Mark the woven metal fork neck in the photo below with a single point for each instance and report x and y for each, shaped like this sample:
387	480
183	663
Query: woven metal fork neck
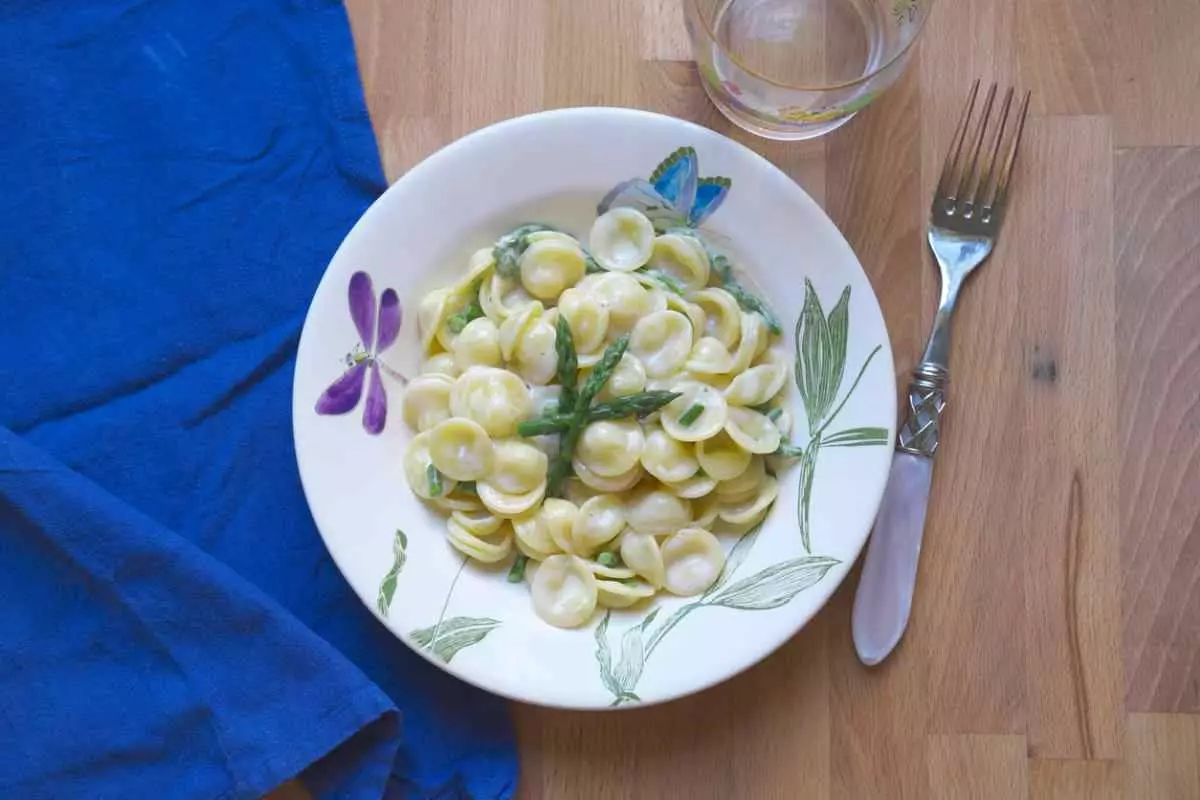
921	430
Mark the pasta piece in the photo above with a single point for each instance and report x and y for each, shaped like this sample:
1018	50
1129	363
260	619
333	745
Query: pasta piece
699	413
614	594
629	377
480	262
626	300
510	505
697	486
517	467
692	562
621	239
499	297
552	236
533	536
514	327
495	398
706	512
427	401
610	448
709	357
754	334
478	548
693	312
442	364
723	316
431	316
579	492
459	500
461	449
744	485
663	341
479	522
756	385
587	318
419	469
750	510
550	265
752	431
640	553
656	511
559	517
478	344
667	458
721	457
610	573
598	522
617	483
681	260
563	591
536	359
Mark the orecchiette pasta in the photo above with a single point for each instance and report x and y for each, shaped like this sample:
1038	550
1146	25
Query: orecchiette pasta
692	561
622	239
564	591
602	506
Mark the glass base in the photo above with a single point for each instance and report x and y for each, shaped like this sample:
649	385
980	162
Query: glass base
791	133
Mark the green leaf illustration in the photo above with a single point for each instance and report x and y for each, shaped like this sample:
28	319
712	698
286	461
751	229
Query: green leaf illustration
774	586
604	656
737	554
839	329
808	470
387	587
450	636
811	338
666	627
633	658
856	437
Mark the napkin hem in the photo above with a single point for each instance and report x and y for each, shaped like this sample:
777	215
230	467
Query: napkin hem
365	708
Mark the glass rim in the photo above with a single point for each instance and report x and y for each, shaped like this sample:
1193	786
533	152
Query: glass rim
695	4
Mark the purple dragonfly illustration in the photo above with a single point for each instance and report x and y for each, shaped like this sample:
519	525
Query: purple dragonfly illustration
377	331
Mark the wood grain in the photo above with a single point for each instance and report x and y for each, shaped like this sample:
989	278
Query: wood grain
1158	344
980	767
1060	583
1162	756
1154	60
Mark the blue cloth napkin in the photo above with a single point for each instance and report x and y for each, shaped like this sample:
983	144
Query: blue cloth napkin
176	176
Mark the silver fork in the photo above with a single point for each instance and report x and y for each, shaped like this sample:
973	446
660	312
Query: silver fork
968	209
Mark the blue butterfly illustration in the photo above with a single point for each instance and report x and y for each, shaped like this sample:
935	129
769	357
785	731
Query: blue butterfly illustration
675	196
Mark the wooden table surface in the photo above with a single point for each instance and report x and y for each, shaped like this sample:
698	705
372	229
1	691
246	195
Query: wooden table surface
1054	648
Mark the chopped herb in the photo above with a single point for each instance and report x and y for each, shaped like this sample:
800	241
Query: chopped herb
456	322
669	283
435	481
786	450
517	573
608	559
512	245
691	415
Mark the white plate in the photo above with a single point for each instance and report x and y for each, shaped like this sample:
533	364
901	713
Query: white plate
555	167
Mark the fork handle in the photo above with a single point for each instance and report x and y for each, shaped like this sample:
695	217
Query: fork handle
885	590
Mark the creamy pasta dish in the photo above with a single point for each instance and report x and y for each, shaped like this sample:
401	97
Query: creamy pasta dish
598	415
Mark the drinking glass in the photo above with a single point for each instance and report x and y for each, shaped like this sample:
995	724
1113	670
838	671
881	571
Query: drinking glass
797	69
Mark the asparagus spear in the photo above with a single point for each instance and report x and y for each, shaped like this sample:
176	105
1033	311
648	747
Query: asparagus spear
512	245
634	405
568	365
561	466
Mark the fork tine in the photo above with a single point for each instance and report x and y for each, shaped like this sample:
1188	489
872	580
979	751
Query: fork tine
987	171
1006	172
960	134
970	168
